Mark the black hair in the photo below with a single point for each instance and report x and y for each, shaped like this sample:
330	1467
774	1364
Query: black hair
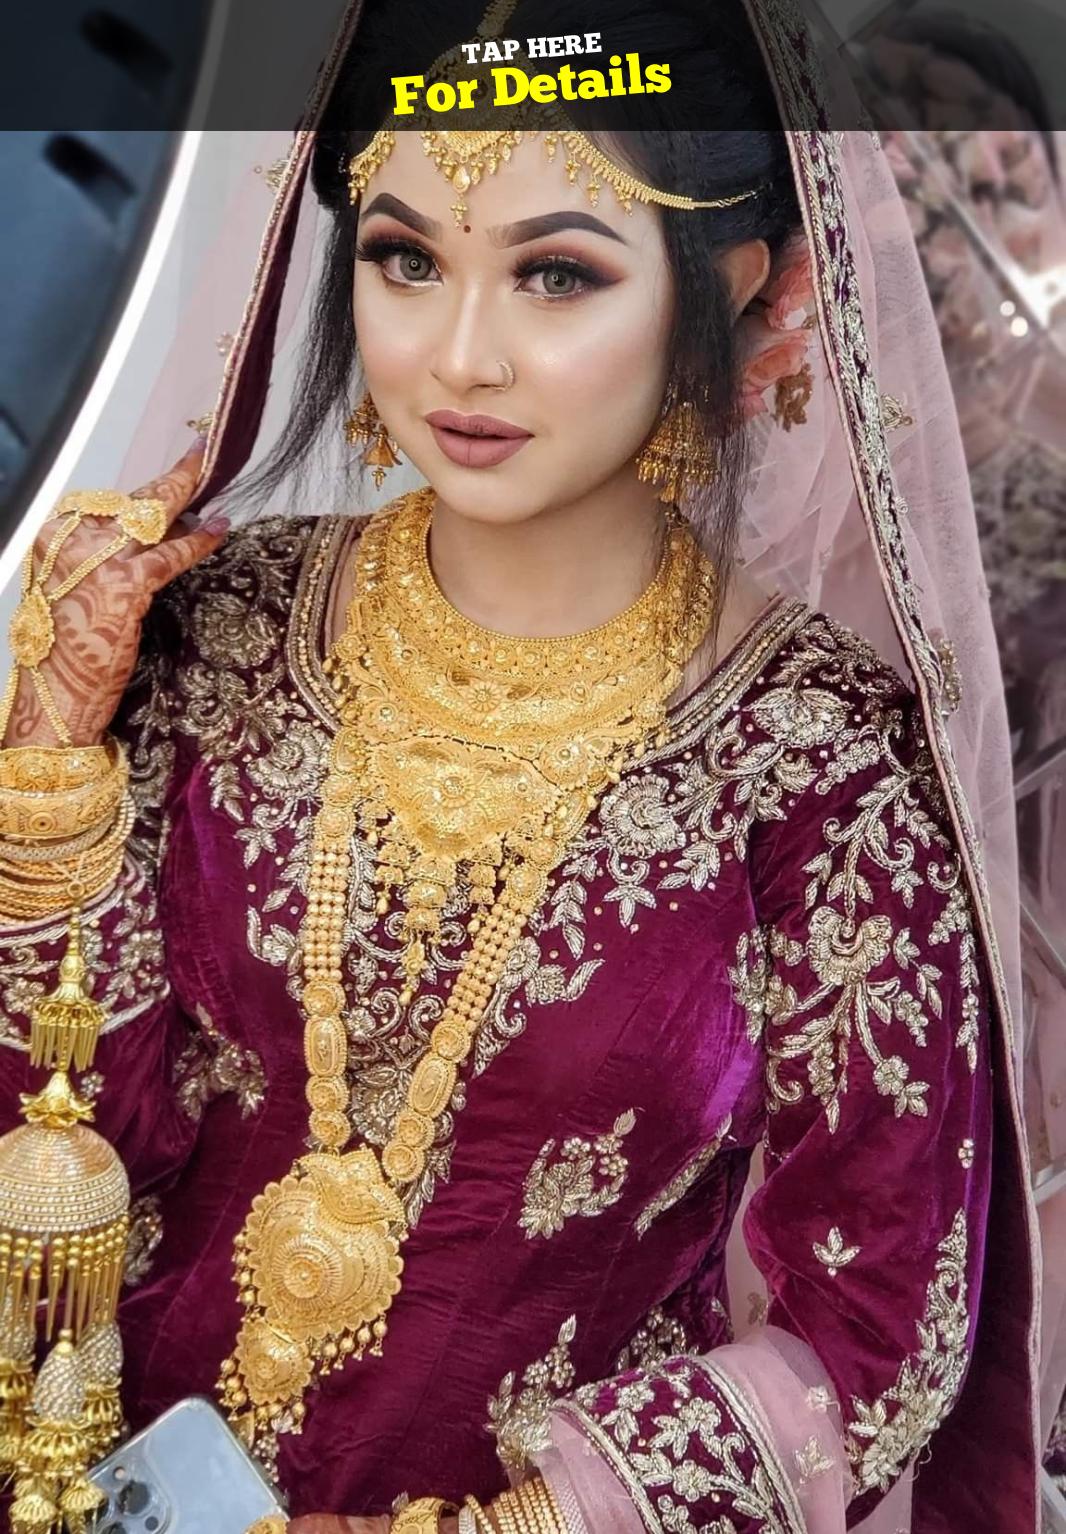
722	84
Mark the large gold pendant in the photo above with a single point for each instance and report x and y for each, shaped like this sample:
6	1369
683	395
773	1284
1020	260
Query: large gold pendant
318	1263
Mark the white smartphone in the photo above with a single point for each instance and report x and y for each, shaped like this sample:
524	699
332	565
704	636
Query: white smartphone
188	1473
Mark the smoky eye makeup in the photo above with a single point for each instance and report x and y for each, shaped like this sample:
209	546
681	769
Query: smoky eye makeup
555	276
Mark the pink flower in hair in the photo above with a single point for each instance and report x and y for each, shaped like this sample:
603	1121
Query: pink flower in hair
783	355
789	292
775	333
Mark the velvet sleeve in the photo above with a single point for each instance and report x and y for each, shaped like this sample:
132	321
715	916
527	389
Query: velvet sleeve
863	980
134	1080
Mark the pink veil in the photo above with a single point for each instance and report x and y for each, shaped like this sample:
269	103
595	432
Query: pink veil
861	508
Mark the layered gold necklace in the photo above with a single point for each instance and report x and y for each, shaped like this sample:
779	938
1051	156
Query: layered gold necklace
464	757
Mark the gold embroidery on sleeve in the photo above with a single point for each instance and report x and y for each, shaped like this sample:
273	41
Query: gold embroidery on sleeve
146	1232
659	1336
883	1437
585	1180
834	1253
519	1421
811	1460
211	1065
678	1186
693	1455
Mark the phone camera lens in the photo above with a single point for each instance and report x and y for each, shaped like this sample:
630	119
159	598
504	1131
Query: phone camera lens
134	1498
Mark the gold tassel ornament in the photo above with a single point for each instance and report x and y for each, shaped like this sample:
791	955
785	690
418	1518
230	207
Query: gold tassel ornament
100	1362
66	1025
53	1490
17	1343
64	1224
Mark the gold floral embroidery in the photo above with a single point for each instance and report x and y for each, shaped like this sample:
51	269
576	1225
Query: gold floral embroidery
966	1154
679	1185
948	656
792	396
211	1065
659	1336
885	1436
845	948
811	1460
146	1232
834	1252
692	1455
519	1421
555	1192
126	967
894	413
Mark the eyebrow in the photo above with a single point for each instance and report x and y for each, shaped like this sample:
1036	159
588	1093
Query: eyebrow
505	235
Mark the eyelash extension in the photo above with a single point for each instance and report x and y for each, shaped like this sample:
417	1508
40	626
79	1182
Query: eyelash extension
377	249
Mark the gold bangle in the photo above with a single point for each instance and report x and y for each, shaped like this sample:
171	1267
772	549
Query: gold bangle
33	860
481	1518
34	815
422	1516
12	851
54	769
506	1514
547	1507
43	892
537	1514
547	1491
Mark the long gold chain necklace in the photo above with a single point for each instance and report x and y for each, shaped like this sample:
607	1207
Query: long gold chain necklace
460	753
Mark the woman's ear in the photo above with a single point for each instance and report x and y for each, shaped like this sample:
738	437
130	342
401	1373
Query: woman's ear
745	269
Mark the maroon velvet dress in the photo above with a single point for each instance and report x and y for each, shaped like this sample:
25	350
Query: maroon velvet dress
761	936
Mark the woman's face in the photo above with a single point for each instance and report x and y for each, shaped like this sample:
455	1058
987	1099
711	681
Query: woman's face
578	301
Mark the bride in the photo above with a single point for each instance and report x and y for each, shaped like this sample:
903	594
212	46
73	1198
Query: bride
499	873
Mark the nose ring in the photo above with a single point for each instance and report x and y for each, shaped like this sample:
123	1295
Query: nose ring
509	375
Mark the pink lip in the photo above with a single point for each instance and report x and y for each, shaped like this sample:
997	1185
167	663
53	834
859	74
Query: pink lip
475	425
475	441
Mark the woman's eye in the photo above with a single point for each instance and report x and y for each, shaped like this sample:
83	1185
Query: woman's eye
401	263
405	265
559	279
408	266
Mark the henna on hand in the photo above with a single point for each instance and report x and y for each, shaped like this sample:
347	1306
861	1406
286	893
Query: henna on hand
98	623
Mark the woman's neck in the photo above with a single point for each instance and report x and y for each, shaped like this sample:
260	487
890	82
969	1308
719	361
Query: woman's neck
560	572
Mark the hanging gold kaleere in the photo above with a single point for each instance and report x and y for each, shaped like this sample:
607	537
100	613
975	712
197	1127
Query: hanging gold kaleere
460	753
64	1221
65	1026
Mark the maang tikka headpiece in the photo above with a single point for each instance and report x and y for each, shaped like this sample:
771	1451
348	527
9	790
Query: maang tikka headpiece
465	157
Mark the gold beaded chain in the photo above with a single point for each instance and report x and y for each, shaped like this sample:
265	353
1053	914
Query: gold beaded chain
318	1262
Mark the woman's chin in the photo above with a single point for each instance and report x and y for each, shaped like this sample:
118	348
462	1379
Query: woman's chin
498	496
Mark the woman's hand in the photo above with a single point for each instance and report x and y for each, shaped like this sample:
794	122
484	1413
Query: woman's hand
98	623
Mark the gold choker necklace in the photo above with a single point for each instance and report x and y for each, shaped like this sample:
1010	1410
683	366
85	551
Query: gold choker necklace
466	757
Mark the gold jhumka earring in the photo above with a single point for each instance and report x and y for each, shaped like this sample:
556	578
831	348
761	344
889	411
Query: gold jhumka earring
678	456
364	427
